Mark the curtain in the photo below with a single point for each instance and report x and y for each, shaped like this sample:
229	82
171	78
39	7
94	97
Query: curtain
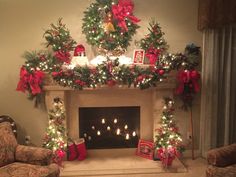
218	105
216	13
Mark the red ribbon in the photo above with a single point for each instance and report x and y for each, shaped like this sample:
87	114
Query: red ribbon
189	78
122	11
62	56
79	49
30	81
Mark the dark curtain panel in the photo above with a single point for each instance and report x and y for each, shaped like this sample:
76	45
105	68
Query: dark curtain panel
216	13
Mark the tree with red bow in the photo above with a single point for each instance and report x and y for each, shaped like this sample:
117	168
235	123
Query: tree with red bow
154	44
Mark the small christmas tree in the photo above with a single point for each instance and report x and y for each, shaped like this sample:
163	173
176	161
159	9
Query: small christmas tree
168	139
56	138
154	44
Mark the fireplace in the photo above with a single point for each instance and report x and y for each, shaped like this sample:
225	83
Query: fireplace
149	102
110	127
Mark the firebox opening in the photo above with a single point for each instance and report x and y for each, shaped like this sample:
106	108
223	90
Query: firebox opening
110	127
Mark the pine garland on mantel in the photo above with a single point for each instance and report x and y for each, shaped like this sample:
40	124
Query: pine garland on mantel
54	62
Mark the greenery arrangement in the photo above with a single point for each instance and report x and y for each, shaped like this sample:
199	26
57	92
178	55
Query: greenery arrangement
154	43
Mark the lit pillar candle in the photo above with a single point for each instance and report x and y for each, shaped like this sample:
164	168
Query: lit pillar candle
127	136
103	121
134	133
118	131
115	121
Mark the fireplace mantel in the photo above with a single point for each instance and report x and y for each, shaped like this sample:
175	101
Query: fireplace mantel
74	97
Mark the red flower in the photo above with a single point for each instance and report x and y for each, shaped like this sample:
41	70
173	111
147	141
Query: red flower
55	74
62	56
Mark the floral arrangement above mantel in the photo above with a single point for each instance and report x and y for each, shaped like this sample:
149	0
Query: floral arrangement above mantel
56	60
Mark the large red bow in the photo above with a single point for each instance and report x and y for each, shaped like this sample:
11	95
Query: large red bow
30	81
122	11
189	78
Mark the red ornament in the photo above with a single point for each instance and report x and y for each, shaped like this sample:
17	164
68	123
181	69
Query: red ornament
79	50
161	71
111	83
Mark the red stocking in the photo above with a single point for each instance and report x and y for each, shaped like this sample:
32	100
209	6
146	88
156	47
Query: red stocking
80	144
72	151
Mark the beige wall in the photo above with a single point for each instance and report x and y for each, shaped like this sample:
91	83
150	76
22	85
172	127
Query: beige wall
21	28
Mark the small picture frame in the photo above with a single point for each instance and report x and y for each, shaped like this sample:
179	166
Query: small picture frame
145	149
138	56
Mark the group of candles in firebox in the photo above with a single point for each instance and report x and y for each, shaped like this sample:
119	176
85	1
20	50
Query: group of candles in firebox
118	131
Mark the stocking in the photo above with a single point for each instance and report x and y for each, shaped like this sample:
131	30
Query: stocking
80	144
73	154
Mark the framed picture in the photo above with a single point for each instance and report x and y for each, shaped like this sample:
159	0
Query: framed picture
138	56
145	149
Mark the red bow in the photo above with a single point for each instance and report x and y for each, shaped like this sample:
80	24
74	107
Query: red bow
189	78
122	11
62	56
30	81
153	55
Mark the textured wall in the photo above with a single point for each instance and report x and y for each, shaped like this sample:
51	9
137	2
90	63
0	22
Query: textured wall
22	26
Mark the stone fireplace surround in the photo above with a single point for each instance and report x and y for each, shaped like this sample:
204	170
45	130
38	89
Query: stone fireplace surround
150	102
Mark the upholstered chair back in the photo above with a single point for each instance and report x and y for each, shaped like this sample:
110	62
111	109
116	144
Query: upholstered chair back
8	144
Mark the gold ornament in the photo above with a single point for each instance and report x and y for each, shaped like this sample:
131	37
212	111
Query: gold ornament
108	26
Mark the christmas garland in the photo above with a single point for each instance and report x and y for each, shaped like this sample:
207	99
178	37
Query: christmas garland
110	25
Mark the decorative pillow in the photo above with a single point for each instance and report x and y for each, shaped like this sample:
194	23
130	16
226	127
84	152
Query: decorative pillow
8	144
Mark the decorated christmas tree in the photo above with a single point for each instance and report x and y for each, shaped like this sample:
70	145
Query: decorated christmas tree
168	139
154	44
56	138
